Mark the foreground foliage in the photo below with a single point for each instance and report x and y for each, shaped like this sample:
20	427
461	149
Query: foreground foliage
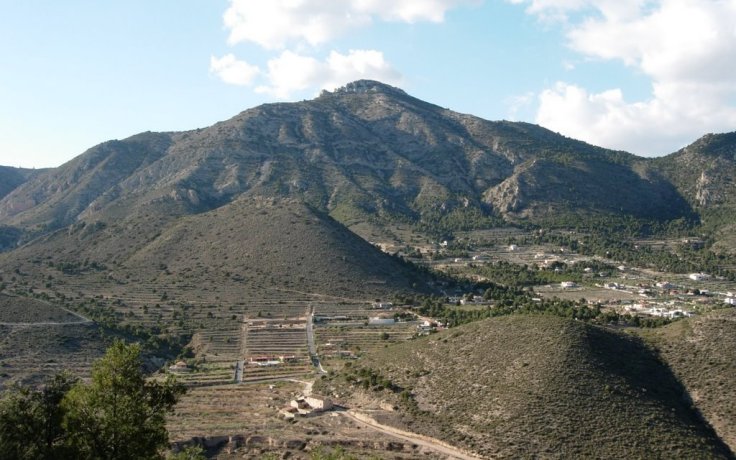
118	415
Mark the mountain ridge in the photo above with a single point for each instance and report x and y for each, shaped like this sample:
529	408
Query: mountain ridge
367	150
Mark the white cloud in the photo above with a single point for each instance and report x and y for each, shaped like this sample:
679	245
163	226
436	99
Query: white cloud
274	24
686	47
232	71
359	64
518	104
291	72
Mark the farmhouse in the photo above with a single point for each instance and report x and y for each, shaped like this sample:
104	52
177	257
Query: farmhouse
382	305
306	406
301	405
318	403
265	360
179	368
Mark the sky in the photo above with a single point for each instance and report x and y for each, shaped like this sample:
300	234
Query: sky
645	76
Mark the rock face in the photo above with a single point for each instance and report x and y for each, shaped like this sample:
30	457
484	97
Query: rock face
365	150
705	171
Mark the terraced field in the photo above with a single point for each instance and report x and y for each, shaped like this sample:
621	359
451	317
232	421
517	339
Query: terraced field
15	310
274	348
31	353
343	332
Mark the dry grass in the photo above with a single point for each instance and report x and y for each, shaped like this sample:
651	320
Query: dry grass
541	387
702	353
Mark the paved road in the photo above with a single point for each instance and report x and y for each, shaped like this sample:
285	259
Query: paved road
310	341
239	371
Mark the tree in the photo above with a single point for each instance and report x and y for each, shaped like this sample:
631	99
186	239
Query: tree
119	415
31	421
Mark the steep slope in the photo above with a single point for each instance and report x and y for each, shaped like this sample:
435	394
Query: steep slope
546	189
366	151
57	198
702	352
11	178
705	174
541	387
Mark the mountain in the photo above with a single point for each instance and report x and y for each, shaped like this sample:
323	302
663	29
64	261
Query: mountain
10	178
705	175
533	386
364	152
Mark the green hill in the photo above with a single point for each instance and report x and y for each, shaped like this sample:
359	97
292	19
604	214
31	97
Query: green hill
538	387
249	249
702	353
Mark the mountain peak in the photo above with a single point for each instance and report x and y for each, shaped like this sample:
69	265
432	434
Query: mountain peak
721	145
365	87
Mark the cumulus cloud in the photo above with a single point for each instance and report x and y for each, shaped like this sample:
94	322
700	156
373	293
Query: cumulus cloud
686	47
233	71
290	72
274	24
297	29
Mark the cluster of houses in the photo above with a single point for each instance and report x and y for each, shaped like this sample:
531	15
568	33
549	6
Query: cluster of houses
659	312
304	406
427	327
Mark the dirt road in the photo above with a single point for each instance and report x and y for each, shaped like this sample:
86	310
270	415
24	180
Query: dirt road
418	439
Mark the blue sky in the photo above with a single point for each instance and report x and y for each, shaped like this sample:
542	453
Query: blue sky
647	76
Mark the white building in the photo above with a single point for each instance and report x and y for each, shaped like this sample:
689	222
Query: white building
699	276
318	403
568	284
377	320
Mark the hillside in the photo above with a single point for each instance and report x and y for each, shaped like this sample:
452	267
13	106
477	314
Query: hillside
538	387
702	353
367	151
11	178
249	249
705	174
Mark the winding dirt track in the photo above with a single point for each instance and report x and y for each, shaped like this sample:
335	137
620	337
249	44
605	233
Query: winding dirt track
418	439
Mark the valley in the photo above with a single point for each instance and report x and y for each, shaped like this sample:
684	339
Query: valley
456	287
247	359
